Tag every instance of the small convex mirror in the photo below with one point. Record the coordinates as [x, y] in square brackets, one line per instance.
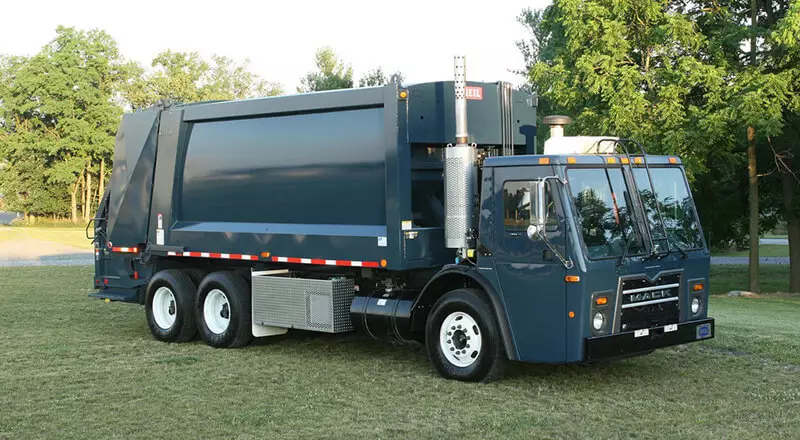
[538, 207]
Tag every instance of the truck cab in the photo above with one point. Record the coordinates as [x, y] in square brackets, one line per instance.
[606, 246]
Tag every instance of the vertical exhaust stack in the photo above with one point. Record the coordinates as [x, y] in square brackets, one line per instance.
[460, 172]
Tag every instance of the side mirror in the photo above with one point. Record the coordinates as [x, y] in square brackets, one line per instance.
[538, 208]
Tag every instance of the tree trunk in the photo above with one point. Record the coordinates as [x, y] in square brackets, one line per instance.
[101, 188]
[87, 212]
[74, 199]
[754, 230]
[793, 226]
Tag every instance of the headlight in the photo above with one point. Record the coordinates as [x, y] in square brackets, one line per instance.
[695, 305]
[598, 321]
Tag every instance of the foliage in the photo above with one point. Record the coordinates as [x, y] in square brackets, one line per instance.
[331, 73]
[376, 77]
[58, 118]
[186, 77]
[675, 75]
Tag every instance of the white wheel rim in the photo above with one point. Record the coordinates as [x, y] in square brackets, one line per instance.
[460, 339]
[217, 311]
[164, 308]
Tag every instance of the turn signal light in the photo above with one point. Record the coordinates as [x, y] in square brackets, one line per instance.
[601, 301]
[572, 278]
[698, 287]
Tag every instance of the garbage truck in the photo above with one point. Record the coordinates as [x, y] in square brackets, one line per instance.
[421, 214]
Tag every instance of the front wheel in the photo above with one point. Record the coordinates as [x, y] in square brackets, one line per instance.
[463, 339]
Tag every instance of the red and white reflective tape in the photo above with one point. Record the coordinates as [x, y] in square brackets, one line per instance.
[213, 255]
[325, 262]
[125, 249]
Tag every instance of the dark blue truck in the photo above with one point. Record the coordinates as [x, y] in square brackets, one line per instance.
[421, 214]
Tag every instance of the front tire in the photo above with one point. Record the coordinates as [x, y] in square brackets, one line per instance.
[168, 304]
[222, 310]
[462, 338]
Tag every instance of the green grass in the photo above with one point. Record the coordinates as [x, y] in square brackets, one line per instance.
[727, 277]
[764, 250]
[74, 367]
[75, 237]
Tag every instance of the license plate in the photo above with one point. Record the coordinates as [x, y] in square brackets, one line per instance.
[640, 333]
[670, 328]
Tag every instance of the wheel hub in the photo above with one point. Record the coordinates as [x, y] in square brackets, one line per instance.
[216, 311]
[460, 339]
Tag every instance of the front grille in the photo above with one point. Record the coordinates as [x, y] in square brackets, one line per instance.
[648, 303]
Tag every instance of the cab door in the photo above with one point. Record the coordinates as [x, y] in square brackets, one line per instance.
[531, 277]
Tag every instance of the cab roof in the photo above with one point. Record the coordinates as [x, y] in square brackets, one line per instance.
[579, 159]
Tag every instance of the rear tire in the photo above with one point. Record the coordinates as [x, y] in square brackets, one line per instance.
[463, 339]
[169, 302]
[222, 310]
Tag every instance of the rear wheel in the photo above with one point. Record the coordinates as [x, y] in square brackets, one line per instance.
[168, 302]
[462, 337]
[222, 310]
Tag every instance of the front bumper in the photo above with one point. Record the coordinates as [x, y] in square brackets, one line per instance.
[631, 343]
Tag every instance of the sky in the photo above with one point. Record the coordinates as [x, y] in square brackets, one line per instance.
[419, 38]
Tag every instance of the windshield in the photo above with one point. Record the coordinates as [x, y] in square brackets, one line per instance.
[672, 196]
[603, 202]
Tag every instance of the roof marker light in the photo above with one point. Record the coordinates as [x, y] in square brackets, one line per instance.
[544, 160]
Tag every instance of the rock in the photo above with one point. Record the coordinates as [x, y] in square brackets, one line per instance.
[742, 293]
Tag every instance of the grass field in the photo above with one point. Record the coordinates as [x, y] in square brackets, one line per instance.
[74, 367]
[75, 237]
[765, 250]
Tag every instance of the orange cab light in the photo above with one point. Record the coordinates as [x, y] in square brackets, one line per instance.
[698, 287]
[638, 160]
[624, 160]
[601, 301]
[673, 160]
[570, 160]
[571, 314]
[611, 160]
[572, 278]
[383, 263]
[544, 160]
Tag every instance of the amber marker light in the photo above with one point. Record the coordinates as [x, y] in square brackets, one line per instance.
[601, 301]
[638, 160]
[571, 314]
[571, 160]
[403, 94]
[383, 263]
[544, 160]
[624, 160]
[572, 278]
[265, 255]
[698, 287]
[673, 160]
[611, 160]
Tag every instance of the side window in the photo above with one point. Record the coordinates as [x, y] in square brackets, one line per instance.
[517, 206]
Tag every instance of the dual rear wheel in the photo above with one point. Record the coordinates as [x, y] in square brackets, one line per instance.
[217, 307]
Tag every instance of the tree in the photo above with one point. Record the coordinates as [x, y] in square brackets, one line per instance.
[59, 120]
[331, 74]
[376, 77]
[187, 77]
